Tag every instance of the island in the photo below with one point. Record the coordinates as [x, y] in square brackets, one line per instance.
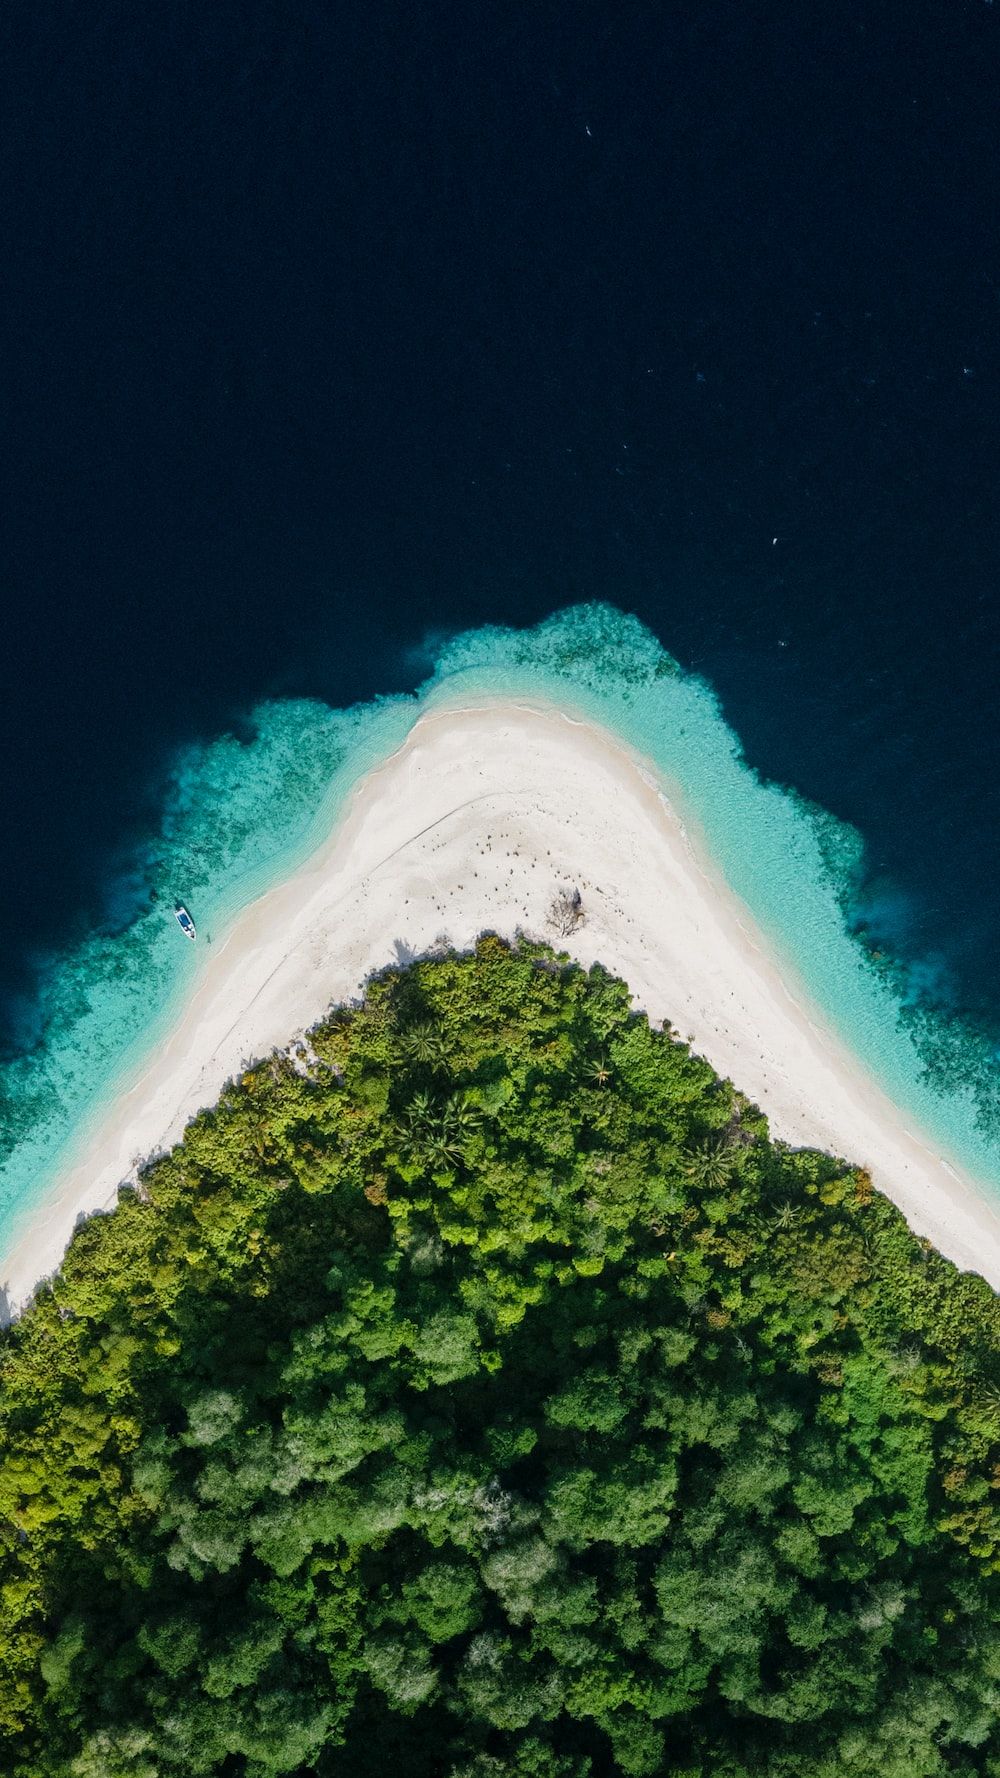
[479, 1388]
[501, 1330]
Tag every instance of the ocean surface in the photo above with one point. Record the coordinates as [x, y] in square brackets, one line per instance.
[327, 341]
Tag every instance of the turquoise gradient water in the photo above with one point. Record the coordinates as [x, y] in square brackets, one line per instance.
[240, 816]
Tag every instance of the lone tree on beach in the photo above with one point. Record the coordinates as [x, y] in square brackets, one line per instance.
[566, 912]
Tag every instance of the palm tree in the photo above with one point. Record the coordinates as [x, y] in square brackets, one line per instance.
[461, 1115]
[599, 1072]
[420, 1112]
[710, 1164]
[415, 1128]
[425, 1043]
[258, 1135]
[987, 1391]
[786, 1214]
[435, 1134]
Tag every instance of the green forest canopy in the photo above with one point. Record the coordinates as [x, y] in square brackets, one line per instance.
[482, 1393]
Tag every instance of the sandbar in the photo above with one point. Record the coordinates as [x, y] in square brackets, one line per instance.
[477, 823]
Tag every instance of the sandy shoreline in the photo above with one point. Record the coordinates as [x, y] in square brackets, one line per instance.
[473, 825]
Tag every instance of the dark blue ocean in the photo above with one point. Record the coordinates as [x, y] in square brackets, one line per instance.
[326, 332]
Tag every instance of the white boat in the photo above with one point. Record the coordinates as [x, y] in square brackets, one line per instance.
[184, 920]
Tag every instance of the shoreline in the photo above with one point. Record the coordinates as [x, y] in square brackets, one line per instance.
[473, 824]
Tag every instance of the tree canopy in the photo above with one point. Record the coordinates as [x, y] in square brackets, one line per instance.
[479, 1391]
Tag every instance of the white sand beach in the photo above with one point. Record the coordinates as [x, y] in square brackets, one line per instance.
[475, 824]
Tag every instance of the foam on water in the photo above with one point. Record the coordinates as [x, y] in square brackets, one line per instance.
[239, 816]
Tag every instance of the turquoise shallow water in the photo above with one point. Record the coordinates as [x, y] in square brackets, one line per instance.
[239, 816]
